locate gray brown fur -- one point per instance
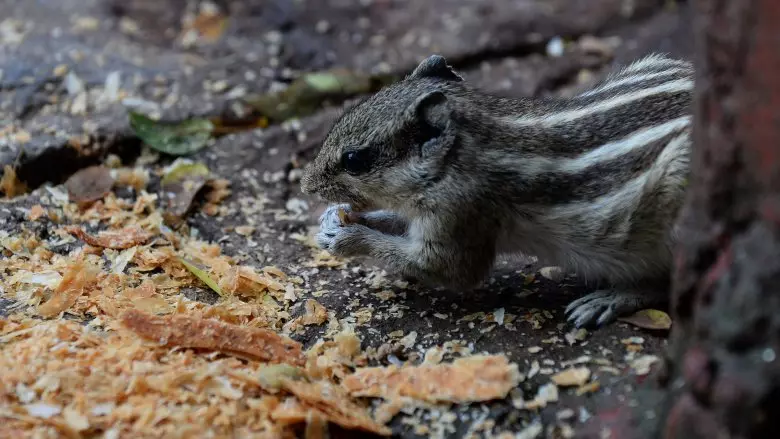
(591, 183)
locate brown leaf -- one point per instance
(180, 185)
(89, 184)
(193, 332)
(115, 239)
(649, 319)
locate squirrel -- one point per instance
(441, 178)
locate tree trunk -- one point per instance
(722, 375)
(726, 295)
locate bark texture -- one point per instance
(722, 375)
(726, 296)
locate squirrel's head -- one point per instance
(384, 150)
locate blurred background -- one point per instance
(65, 61)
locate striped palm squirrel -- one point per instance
(443, 178)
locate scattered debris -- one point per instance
(574, 376)
(469, 379)
(192, 332)
(114, 239)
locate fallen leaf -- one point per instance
(180, 185)
(202, 275)
(309, 92)
(573, 376)
(649, 319)
(193, 332)
(115, 239)
(89, 184)
(174, 138)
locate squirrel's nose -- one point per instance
(307, 183)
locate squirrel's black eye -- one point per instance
(356, 162)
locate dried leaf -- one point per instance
(193, 332)
(174, 138)
(89, 184)
(115, 239)
(202, 275)
(469, 379)
(649, 319)
(180, 185)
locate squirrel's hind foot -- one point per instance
(605, 306)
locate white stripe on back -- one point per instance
(613, 150)
(617, 101)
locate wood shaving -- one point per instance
(190, 332)
(113, 239)
(470, 379)
(574, 376)
(77, 279)
(331, 402)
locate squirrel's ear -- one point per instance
(429, 124)
(435, 66)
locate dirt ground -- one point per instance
(501, 45)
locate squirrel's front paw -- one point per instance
(341, 239)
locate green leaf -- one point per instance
(183, 170)
(180, 138)
(323, 82)
(202, 275)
